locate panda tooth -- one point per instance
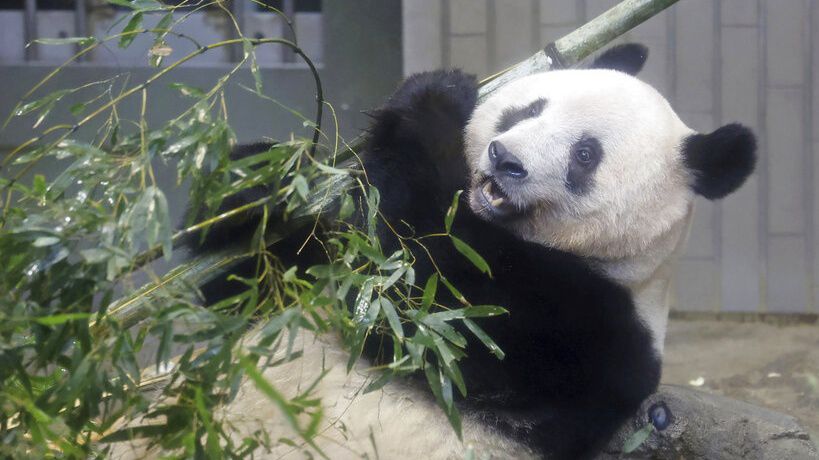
(497, 202)
(487, 188)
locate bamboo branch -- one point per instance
(580, 43)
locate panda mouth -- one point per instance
(495, 200)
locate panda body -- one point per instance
(575, 224)
(578, 358)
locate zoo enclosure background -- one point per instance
(717, 61)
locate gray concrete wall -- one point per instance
(717, 61)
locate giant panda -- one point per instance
(579, 184)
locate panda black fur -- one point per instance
(579, 357)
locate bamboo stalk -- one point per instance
(580, 43)
(565, 52)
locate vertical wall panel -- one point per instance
(787, 269)
(815, 147)
(559, 12)
(815, 197)
(696, 286)
(422, 27)
(558, 18)
(468, 47)
(469, 53)
(787, 275)
(739, 12)
(550, 33)
(740, 75)
(596, 7)
(701, 238)
(785, 51)
(740, 257)
(695, 56)
(740, 265)
(467, 17)
(698, 273)
(513, 28)
(785, 162)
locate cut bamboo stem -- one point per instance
(580, 43)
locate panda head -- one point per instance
(595, 162)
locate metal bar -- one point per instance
(30, 29)
(289, 33)
(491, 35)
(80, 23)
(446, 34)
(237, 8)
(807, 117)
(716, 110)
(762, 161)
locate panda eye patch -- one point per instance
(585, 156)
(513, 116)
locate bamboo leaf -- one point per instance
(129, 32)
(454, 291)
(477, 311)
(144, 5)
(450, 213)
(44, 241)
(392, 316)
(471, 254)
(44, 102)
(55, 320)
(187, 90)
(430, 289)
(484, 338)
(638, 438)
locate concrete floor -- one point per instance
(775, 366)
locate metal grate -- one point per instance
(22, 21)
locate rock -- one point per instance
(693, 425)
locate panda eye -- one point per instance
(584, 155)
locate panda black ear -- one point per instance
(720, 161)
(628, 58)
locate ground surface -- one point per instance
(776, 366)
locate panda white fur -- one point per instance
(580, 183)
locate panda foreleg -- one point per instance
(415, 151)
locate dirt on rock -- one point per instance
(771, 365)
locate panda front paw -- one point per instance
(448, 93)
(425, 118)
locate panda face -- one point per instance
(589, 161)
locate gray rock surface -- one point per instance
(707, 426)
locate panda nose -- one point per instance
(503, 162)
